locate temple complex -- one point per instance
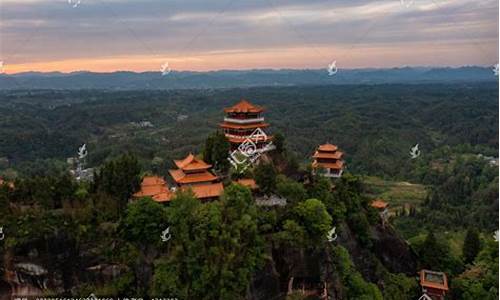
(154, 187)
(242, 121)
(195, 174)
(434, 284)
(328, 158)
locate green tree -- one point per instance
(480, 279)
(265, 177)
(398, 286)
(216, 151)
(292, 234)
(358, 222)
(119, 178)
(472, 245)
(215, 248)
(279, 142)
(293, 191)
(353, 284)
(314, 218)
(144, 222)
(435, 255)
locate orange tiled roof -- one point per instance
(154, 187)
(152, 180)
(379, 204)
(163, 197)
(244, 107)
(182, 178)
(435, 280)
(10, 184)
(243, 126)
(206, 190)
(248, 182)
(337, 165)
(334, 155)
(191, 163)
(327, 147)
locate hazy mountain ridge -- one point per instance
(124, 80)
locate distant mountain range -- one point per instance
(123, 80)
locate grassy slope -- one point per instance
(397, 194)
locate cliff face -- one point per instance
(51, 265)
(393, 251)
(388, 251)
(57, 265)
(44, 264)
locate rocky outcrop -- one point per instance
(388, 251)
(393, 251)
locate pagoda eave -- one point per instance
(182, 178)
(334, 166)
(243, 126)
(237, 140)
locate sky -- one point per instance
(204, 35)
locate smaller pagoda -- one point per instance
(383, 208)
(154, 187)
(330, 159)
(434, 284)
(244, 122)
(193, 173)
(7, 183)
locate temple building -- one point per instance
(434, 284)
(328, 158)
(154, 187)
(241, 121)
(383, 209)
(248, 182)
(195, 174)
(10, 184)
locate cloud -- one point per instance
(43, 31)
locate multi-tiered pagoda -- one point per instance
(241, 121)
(195, 174)
(328, 158)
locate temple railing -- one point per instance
(243, 121)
